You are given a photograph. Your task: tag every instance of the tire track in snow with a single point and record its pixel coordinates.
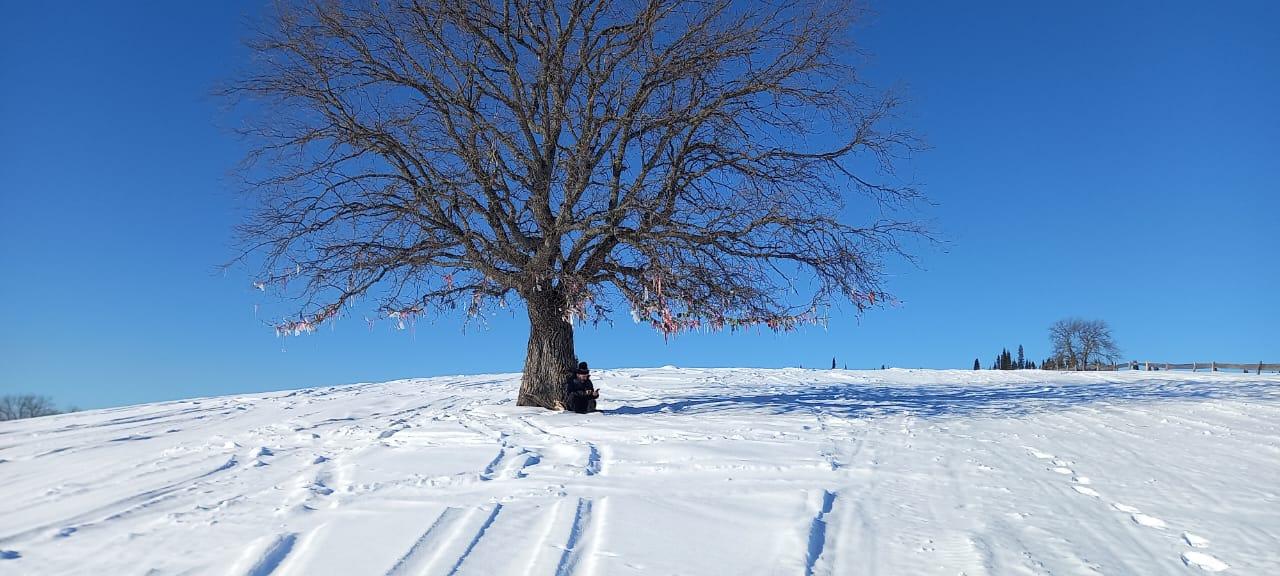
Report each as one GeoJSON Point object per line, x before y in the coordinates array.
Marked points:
{"type": "Point", "coordinates": [476, 539]}
{"type": "Point", "coordinates": [429, 547]}
{"type": "Point", "coordinates": [594, 464]}
{"type": "Point", "coordinates": [536, 558]}
{"type": "Point", "coordinates": [123, 507]}
{"type": "Point", "coordinates": [266, 555]}
{"type": "Point", "coordinates": [505, 466]}
{"type": "Point", "coordinates": [526, 459]}
{"type": "Point", "coordinates": [581, 535]}
{"type": "Point", "coordinates": [446, 539]}
{"type": "Point", "coordinates": [487, 472]}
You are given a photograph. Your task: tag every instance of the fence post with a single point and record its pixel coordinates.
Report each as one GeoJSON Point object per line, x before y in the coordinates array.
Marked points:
{"type": "Point", "coordinates": [1214, 366]}
{"type": "Point", "coordinates": [1259, 368]}
{"type": "Point", "coordinates": [1193, 366]}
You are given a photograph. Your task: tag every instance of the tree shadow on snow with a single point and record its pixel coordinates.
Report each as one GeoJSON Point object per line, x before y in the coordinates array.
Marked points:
{"type": "Point", "coordinates": [862, 399]}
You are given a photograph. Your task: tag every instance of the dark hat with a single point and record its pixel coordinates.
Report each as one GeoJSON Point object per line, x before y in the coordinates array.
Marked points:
{"type": "Point", "coordinates": [582, 368]}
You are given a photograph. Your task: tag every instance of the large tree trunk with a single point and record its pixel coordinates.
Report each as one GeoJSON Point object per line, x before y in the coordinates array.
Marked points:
{"type": "Point", "coordinates": [550, 356]}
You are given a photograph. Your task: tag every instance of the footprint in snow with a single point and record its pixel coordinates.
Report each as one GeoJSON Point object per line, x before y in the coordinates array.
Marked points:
{"type": "Point", "coordinates": [1087, 491]}
{"type": "Point", "coordinates": [1195, 541]}
{"type": "Point", "coordinates": [1041, 455]}
{"type": "Point", "coordinates": [1063, 470]}
{"type": "Point", "coordinates": [1203, 561]}
{"type": "Point", "coordinates": [1125, 508]}
{"type": "Point", "coordinates": [1149, 521]}
{"type": "Point", "coordinates": [1081, 480]}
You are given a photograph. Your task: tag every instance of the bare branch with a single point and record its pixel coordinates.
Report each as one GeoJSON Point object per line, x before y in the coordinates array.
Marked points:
{"type": "Point", "coordinates": [693, 161]}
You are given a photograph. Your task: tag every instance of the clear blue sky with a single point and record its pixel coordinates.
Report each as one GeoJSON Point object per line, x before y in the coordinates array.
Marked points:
{"type": "Point", "coordinates": [1118, 160]}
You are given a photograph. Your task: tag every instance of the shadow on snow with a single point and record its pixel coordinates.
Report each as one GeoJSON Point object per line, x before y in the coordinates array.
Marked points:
{"type": "Point", "coordinates": [853, 400]}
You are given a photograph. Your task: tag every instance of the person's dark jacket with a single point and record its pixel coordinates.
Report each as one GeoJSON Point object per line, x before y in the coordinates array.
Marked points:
{"type": "Point", "coordinates": [580, 395]}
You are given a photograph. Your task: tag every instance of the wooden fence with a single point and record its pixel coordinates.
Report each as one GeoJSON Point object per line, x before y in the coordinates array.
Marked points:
{"type": "Point", "coordinates": [1257, 368]}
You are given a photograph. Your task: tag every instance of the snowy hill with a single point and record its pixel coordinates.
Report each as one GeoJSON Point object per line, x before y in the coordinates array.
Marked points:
{"type": "Point", "coordinates": [687, 471]}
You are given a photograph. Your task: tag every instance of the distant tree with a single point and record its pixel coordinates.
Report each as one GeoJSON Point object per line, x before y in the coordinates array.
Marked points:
{"type": "Point", "coordinates": [1022, 360]}
{"type": "Point", "coordinates": [1031, 365]}
{"type": "Point", "coordinates": [14, 407]}
{"type": "Point", "coordinates": [833, 362]}
{"type": "Point", "coordinates": [1005, 360]}
{"type": "Point", "coordinates": [976, 365]}
{"type": "Point", "coordinates": [683, 161]}
{"type": "Point", "coordinates": [1078, 343]}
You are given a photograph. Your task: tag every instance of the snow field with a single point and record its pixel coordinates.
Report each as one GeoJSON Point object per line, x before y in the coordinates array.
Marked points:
{"type": "Point", "coordinates": [687, 471]}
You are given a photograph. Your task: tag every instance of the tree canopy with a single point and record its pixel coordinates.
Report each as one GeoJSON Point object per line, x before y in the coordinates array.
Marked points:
{"type": "Point", "coordinates": [690, 161]}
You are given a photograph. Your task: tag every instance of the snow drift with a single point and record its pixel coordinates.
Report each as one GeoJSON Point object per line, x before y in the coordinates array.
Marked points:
{"type": "Point", "coordinates": [687, 471]}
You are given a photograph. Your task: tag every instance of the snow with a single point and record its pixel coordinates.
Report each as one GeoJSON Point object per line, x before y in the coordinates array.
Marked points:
{"type": "Point", "coordinates": [687, 471]}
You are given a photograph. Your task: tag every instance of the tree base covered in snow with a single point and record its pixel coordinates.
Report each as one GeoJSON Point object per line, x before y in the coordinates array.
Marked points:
{"type": "Point", "coordinates": [689, 471]}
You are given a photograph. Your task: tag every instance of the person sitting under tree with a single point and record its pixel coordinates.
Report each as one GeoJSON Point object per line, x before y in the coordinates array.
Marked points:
{"type": "Point", "coordinates": [581, 393]}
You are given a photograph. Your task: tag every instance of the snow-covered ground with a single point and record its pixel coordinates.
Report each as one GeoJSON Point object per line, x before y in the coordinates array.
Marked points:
{"type": "Point", "coordinates": [687, 471]}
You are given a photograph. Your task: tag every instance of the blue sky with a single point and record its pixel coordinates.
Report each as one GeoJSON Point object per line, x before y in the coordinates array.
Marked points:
{"type": "Point", "coordinates": [1101, 159]}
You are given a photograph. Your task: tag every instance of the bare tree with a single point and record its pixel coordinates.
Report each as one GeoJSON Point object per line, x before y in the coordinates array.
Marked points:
{"type": "Point", "coordinates": [1077, 342]}
{"type": "Point", "coordinates": [1062, 340]}
{"type": "Point", "coordinates": [690, 161]}
{"type": "Point", "coordinates": [14, 407]}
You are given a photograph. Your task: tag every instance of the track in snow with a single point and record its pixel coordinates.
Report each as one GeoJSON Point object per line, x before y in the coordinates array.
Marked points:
{"type": "Point", "coordinates": [693, 471]}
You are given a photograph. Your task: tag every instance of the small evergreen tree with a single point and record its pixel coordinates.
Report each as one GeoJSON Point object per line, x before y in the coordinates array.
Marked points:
{"type": "Point", "coordinates": [976, 365]}
{"type": "Point", "coordinates": [1022, 361]}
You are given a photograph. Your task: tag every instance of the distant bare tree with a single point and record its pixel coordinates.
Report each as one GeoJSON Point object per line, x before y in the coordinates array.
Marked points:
{"type": "Point", "coordinates": [14, 407]}
{"type": "Point", "coordinates": [1078, 343]}
{"type": "Point", "coordinates": [690, 161]}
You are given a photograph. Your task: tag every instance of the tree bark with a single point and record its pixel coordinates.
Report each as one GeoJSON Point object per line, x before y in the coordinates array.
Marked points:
{"type": "Point", "coordinates": [550, 355]}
